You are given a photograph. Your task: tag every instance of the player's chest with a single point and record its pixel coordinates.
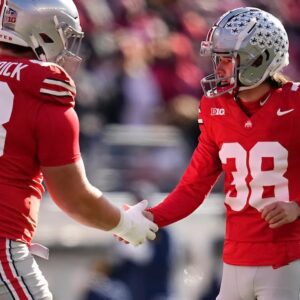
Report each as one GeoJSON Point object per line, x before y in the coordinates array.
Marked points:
{"type": "Point", "coordinates": [273, 123]}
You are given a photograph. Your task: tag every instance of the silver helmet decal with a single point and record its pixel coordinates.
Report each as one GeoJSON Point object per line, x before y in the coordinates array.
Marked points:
{"type": "Point", "coordinates": [257, 43]}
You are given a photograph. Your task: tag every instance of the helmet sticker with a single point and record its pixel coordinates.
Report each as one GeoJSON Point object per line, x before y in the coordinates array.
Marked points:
{"type": "Point", "coordinates": [10, 16]}
{"type": "Point", "coordinates": [267, 35]}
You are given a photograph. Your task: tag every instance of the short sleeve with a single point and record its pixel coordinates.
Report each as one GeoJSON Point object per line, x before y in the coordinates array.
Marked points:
{"type": "Point", "coordinates": [57, 133]}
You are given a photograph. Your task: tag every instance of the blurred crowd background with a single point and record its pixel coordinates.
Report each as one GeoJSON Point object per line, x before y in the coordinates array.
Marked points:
{"type": "Point", "coordinates": [138, 93]}
{"type": "Point", "coordinates": [139, 90]}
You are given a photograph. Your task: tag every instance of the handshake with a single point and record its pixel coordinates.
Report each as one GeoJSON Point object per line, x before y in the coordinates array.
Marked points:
{"type": "Point", "coordinates": [134, 227]}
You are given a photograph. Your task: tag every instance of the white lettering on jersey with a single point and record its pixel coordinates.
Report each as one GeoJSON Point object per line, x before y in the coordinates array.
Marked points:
{"type": "Point", "coordinates": [214, 111]}
{"type": "Point", "coordinates": [11, 69]}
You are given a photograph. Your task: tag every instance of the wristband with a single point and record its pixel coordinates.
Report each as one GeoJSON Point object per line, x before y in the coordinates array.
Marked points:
{"type": "Point", "coordinates": [123, 226]}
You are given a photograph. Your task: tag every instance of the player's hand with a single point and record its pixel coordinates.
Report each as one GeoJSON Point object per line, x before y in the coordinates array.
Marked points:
{"type": "Point", "coordinates": [146, 213]}
{"type": "Point", "coordinates": [134, 227]}
{"type": "Point", "coordinates": [280, 213]}
{"type": "Point", "coordinates": [125, 207]}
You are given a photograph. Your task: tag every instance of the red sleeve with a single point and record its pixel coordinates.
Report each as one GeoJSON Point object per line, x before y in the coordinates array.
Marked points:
{"type": "Point", "coordinates": [197, 181]}
{"type": "Point", "coordinates": [57, 135]}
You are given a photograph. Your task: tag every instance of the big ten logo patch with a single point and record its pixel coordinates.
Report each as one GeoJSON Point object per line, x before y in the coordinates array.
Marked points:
{"type": "Point", "coordinates": [214, 111]}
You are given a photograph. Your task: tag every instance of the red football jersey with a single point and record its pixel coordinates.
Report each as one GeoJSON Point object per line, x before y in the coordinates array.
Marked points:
{"type": "Point", "coordinates": [38, 127]}
{"type": "Point", "coordinates": [260, 158]}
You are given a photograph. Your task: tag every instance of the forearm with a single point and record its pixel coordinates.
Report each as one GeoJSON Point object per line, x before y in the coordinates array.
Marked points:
{"type": "Point", "coordinates": [92, 209]}
{"type": "Point", "coordinates": [196, 182]}
{"type": "Point", "coordinates": [192, 189]}
{"type": "Point", "coordinates": [72, 192]}
{"type": "Point", "coordinates": [179, 204]}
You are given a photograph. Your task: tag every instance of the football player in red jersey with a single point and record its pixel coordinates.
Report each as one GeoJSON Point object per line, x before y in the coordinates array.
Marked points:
{"type": "Point", "coordinates": [39, 44]}
{"type": "Point", "coordinates": [250, 123]}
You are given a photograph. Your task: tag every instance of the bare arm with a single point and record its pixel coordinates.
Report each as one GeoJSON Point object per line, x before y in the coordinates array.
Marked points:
{"type": "Point", "coordinates": [72, 192]}
{"type": "Point", "coordinates": [70, 188]}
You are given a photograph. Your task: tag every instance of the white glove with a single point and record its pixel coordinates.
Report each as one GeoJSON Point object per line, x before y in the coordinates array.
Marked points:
{"type": "Point", "coordinates": [134, 227]}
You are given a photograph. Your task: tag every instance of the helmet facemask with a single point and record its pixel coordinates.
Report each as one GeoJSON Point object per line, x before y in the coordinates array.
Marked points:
{"type": "Point", "coordinates": [217, 84]}
{"type": "Point", "coordinates": [69, 58]}
{"type": "Point", "coordinates": [51, 29]}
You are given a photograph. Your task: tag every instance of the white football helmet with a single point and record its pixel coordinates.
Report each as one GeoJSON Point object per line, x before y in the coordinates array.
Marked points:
{"type": "Point", "coordinates": [257, 43]}
{"type": "Point", "coordinates": [51, 28]}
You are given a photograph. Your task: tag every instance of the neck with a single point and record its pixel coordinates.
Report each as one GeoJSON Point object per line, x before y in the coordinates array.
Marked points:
{"type": "Point", "coordinates": [254, 94]}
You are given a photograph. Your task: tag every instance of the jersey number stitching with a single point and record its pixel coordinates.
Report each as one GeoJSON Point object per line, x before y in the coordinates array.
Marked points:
{"type": "Point", "coordinates": [6, 106]}
{"type": "Point", "coordinates": [249, 164]}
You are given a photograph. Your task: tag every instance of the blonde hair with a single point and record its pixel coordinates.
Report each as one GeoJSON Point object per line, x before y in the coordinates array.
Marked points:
{"type": "Point", "coordinates": [278, 80]}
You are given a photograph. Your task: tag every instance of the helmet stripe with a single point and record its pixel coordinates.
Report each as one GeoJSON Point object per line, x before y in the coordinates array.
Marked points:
{"type": "Point", "coordinates": [210, 34]}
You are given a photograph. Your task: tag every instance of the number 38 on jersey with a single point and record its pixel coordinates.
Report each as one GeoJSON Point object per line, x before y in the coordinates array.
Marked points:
{"type": "Point", "coordinates": [250, 180]}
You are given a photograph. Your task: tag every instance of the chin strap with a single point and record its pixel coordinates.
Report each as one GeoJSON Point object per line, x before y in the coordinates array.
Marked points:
{"type": "Point", "coordinates": [37, 48]}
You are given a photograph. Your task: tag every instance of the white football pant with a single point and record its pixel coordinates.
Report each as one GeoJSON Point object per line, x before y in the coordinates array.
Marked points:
{"type": "Point", "coordinates": [260, 283]}
{"type": "Point", "coordinates": [20, 276]}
